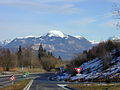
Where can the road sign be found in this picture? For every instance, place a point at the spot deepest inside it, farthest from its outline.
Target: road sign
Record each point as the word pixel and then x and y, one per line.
pixel 78 70
pixel 12 78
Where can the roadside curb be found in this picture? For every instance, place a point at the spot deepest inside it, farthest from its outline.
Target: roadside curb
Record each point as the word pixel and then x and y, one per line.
pixel 28 85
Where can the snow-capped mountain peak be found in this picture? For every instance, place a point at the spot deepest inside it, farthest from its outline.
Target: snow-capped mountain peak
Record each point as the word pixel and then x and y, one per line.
pixel 54 41
pixel 114 38
pixel 56 33
pixel 31 36
pixel 78 37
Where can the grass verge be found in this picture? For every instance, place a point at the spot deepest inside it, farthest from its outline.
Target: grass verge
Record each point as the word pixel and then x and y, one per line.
pixel 19 71
pixel 95 86
pixel 17 86
pixel 32 70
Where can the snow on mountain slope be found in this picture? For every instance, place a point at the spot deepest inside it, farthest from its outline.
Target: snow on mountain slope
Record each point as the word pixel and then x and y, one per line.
pixel 78 37
pixel 29 36
pixel 94 42
pixel 5 42
pixel 114 38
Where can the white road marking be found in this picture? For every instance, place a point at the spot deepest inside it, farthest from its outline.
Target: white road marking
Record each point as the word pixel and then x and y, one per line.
pixel 63 86
pixel 28 85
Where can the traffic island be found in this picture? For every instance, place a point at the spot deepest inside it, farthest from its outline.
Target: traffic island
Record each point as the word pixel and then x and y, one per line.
pixel 17 86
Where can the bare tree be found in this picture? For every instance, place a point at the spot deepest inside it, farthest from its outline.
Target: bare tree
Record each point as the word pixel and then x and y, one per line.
pixel 107 61
pixel 8 60
pixel 48 63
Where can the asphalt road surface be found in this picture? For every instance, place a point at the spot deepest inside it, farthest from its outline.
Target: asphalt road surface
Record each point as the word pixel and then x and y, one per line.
pixel 40 82
pixel 43 83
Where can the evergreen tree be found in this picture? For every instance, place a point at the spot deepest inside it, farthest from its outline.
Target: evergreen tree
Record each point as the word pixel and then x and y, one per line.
pixel 50 54
pixel 59 58
pixel 20 57
pixel 110 45
pixel 40 52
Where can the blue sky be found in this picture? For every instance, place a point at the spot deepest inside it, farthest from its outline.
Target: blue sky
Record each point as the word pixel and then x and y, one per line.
pixel 91 19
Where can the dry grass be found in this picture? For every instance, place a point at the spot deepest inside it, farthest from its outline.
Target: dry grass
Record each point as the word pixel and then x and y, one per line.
pixel 32 70
pixel 95 86
pixel 17 86
pixel 19 71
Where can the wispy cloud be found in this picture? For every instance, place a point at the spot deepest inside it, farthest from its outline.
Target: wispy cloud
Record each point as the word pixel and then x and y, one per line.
pixel 108 15
pixel 54 6
pixel 109 23
pixel 83 22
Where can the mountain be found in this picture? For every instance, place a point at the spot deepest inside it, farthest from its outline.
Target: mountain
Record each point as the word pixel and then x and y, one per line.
pixel 58 43
pixel 0 43
pixel 94 42
pixel 114 38
pixel 5 42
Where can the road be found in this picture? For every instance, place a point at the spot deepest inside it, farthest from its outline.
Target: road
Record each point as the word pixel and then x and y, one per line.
pixel 43 83
pixel 4 81
pixel 40 82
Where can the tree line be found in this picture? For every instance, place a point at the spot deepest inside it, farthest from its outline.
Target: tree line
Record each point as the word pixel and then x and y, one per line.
pixel 27 58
